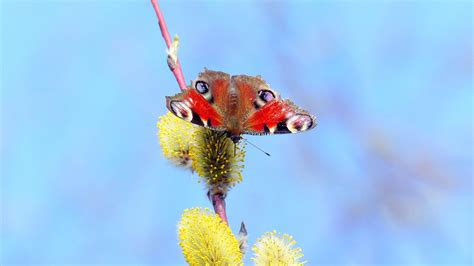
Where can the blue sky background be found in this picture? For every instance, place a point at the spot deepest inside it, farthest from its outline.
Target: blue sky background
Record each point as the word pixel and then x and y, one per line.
pixel 385 178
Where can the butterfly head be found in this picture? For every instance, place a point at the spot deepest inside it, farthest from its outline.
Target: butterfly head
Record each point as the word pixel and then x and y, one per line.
pixel 235 138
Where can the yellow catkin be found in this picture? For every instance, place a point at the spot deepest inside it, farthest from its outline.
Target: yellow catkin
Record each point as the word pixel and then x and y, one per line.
pixel 206 240
pixel 274 249
pixel 216 159
pixel 175 139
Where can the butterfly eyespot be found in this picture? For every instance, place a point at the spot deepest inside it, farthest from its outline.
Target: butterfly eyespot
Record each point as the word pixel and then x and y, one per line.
pixel 202 87
pixel 181 110
pixel 266 95
pixel 299 122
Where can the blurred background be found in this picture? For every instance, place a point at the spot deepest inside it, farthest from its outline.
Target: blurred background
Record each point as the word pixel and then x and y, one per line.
pixel 385 178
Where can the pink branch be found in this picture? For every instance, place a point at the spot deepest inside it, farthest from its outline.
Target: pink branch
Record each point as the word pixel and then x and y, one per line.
pixel 218 201
pixel 174 67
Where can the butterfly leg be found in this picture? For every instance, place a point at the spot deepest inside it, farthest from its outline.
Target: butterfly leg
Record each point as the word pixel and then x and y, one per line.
pixel 235 139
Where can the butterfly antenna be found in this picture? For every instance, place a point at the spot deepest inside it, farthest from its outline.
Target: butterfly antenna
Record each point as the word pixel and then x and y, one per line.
pixel 246 141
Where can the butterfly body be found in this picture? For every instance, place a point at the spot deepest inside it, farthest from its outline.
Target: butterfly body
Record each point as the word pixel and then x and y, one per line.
pixel 238 105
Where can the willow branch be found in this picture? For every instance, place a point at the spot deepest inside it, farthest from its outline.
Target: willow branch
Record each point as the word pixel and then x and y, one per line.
pixel 173 62
pixel 218 201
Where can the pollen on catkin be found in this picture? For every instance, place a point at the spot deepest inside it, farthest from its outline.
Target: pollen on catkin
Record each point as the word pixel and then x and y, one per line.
pixel 175 139
pixel 206 240
pixel 216 159
pixel 274 249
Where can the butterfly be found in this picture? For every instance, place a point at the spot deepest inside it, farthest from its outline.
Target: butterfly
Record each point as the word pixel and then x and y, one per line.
pixel 238 105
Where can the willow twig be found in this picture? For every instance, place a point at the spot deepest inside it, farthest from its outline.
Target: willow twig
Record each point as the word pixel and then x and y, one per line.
pixel 174 65
pixel 218 201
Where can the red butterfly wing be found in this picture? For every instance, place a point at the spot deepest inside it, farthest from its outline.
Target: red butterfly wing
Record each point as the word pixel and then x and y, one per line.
pixel 193 107
pixel 264 112
pixel 202 107
pixel 279 117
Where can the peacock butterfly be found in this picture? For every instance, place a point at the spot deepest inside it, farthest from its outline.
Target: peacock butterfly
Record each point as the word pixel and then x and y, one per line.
pixel 238 105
